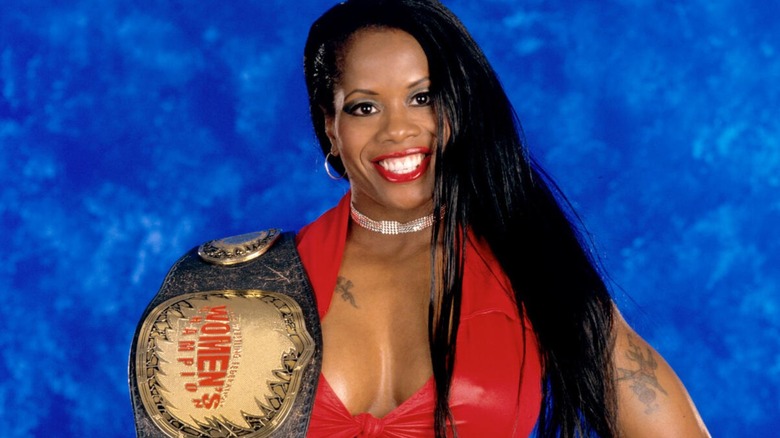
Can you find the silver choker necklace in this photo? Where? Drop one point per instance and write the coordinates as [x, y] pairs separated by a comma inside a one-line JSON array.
[[390, 227]]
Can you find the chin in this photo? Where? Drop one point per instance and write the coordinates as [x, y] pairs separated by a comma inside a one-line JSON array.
[[419, 201]]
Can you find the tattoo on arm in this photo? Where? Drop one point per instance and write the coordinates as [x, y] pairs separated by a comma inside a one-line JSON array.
[[343, 287], [642, 380]]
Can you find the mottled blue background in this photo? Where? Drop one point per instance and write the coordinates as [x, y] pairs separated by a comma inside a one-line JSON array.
[[132, 131]]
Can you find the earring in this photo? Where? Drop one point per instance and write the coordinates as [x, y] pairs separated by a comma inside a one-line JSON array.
[[327, 169]]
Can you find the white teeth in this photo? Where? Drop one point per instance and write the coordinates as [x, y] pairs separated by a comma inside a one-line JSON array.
[[402, 165]]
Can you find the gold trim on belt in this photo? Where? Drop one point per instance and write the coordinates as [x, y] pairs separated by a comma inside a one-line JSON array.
[[222, 363]]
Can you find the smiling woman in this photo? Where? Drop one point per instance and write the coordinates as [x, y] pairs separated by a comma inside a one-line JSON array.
[[504, 275], [466, 304], [384, 128]]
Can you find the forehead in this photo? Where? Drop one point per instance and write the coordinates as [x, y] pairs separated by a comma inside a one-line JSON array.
[[376, 53]]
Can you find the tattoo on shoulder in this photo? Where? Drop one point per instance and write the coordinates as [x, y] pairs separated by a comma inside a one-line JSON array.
[[642, 380], [343, 287]]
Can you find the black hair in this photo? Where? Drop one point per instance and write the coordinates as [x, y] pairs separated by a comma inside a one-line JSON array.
[[486, 182]]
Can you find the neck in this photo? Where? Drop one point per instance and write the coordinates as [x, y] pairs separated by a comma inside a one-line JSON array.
[[390, 227]]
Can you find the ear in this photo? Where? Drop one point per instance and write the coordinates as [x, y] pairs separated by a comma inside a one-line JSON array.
[[330, 131]]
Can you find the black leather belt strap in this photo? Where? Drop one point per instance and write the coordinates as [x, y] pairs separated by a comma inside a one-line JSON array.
[[229, 349]]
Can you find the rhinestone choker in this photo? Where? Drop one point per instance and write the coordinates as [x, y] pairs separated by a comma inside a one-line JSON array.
[[390, 227]]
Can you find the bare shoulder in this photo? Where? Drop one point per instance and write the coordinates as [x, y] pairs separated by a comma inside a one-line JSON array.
[[652, 401]]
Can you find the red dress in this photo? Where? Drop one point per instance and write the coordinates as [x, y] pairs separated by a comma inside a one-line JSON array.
[[488, 397]]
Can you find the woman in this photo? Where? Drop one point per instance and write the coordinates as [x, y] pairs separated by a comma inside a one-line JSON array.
[[454, 293]]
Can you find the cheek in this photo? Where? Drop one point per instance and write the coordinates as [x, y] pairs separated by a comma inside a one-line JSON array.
[[352, 134], [446, 130], [431, 123], [347, 142]]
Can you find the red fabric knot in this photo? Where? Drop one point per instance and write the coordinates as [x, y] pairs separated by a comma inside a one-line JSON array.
[[371, 426]]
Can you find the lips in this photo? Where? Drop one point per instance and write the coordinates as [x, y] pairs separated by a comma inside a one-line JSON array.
[[403, 166]]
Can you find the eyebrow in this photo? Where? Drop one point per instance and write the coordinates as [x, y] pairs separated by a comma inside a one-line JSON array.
[[374, 93]]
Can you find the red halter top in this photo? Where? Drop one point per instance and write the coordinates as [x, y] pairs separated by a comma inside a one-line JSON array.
[[496, 388]]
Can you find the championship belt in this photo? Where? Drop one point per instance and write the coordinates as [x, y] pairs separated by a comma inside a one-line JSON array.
[[231, 344]]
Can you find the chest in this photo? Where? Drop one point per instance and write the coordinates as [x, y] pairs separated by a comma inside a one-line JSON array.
[[375, 339]]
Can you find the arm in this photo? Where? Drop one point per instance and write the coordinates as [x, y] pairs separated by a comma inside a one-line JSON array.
[[652, 401]]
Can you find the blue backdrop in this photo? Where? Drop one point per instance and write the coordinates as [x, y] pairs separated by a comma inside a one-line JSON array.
[[132, 131]]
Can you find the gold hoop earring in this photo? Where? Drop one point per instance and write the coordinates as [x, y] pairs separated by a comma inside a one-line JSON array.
[[327, 169]]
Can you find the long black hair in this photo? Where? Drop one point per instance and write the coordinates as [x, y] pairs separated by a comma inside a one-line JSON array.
[[487, 183]]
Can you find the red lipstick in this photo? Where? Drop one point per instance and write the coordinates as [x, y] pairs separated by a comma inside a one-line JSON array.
[[403, 177]]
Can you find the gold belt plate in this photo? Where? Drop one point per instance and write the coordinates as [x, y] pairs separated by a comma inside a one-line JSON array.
[[222, 363]]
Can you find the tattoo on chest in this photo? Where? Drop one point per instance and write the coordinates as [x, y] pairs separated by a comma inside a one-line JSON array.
[[344, 287], [642, 380]]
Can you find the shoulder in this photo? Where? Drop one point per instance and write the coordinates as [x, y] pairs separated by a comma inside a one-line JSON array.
[[652, 400], [234, 262], [332, 222]]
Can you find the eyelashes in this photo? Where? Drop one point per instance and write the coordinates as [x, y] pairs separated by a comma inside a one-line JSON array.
[[363, 108], [360, 109]]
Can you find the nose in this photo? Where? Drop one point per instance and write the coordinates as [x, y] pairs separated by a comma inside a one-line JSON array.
[[399, 125]]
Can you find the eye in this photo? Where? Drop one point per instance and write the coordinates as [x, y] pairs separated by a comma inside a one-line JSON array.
[[422, 99], [361, 109]]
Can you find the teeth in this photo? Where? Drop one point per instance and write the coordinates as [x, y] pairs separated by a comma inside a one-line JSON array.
[[402, 165]]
